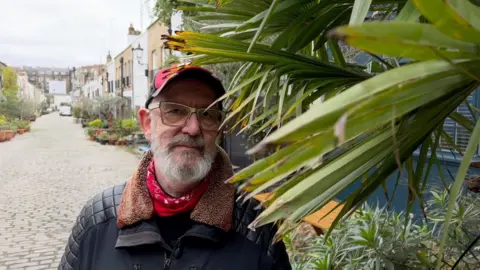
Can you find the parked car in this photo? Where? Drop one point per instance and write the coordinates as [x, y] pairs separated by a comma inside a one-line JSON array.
[[65, 109]]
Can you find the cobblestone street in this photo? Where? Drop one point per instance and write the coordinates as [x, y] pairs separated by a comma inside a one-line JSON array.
[[46, 176]]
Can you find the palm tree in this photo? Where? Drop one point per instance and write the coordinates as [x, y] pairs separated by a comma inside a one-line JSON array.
[[296, 84]]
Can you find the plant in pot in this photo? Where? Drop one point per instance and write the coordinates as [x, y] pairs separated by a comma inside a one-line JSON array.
[[91, 134], [3, 123], [22, 125], [122, 141], [112, 139], [77, 113], [103, 138], [10, 131]]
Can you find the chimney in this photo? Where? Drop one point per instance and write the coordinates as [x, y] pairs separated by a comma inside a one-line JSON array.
[[132, 34]]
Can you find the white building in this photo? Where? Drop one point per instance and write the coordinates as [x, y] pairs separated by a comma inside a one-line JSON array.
[[57, 87], [140, 70], [28, 91], [93, 88], [110, 76]]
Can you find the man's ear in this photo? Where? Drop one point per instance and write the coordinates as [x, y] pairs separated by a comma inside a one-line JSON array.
[[145, 123]]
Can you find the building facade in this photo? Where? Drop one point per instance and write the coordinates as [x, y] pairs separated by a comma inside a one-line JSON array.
[[40, 77], [140, 71], [157, 53]]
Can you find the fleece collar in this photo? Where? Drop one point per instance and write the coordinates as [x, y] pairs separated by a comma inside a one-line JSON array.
[[215, 207]]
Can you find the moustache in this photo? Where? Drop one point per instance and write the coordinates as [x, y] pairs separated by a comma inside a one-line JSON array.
[[185, 140]]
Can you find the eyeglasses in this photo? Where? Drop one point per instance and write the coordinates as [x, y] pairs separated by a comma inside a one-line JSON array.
[[177, 115]]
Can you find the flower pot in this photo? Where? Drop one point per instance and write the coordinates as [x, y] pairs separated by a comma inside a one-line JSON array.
[[3, 136], [121, 142], [103, 142], [9, 134], [92, 138], [112, 142], [21, 131]]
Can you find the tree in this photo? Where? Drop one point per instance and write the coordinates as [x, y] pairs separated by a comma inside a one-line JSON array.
[[295, 81], [10, 85]]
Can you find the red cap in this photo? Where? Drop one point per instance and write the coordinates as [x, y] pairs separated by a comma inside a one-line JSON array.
[[167, 75]]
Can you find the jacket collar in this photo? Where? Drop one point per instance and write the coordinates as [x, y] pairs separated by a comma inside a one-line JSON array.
[[215, 207]]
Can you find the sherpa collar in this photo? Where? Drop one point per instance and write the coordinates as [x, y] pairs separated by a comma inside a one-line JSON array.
[[215, 207]]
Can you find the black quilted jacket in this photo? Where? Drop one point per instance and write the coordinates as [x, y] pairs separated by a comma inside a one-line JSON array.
[[97, 243]]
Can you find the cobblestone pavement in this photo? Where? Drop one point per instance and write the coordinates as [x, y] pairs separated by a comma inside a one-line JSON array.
[[46, 176]]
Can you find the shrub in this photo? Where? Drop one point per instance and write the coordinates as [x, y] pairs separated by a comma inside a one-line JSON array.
[[97, 123], [91, 132], [3, 119], [22, 124], [77, 112]]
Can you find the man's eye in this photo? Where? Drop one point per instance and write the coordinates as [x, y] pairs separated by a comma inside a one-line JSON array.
[[173, 111]]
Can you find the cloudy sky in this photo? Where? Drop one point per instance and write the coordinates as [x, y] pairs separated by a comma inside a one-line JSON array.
[[66, 33]]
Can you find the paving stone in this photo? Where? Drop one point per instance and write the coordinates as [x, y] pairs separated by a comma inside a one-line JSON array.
[[47, 175]]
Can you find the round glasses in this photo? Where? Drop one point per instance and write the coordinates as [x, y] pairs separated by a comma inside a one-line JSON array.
[[177, 115]]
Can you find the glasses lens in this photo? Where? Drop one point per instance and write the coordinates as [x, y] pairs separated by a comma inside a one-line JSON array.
[[210, 119], [174, 114]]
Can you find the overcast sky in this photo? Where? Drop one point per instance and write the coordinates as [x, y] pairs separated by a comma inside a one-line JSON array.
[[66, 33]]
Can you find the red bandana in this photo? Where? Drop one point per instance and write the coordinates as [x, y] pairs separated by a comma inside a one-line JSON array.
[[164, 204]]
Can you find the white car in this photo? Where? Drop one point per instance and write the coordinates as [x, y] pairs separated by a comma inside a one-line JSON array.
[[65, 109]]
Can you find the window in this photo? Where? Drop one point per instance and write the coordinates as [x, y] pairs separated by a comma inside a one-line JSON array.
[[458, 133], [165, 53], [154, 60]]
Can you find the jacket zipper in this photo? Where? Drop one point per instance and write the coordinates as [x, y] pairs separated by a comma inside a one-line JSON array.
[[166, 264], [168, 258]]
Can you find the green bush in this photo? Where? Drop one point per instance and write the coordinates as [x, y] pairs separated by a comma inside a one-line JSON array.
[[3, 119], [128, 124], [22, 124], [77, 112], [97, 123]]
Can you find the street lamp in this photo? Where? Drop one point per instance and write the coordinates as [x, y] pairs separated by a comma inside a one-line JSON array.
[[138, 52]]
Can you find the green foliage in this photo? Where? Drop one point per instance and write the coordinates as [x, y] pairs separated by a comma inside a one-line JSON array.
[[369, 239], [9, 83], [103, 136], [91, 131], [3, 119], [77, 112], [22, 124], [375, 238], [97, 123], [297, 83], [164, 9], [464, 226]]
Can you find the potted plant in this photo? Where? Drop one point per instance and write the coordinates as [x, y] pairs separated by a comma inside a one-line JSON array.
[[12, 129], [22, 126], [77, 113], [112, 139], [103, 138], [122, 141], [91, 134], [3, 122]]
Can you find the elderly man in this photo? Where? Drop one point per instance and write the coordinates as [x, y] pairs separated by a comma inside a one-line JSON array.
[[176, 212]]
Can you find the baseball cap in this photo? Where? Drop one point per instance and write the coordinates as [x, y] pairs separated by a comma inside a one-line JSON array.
[[167, 75]]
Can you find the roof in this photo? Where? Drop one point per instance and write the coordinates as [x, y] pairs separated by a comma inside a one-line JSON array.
[[129, 46], [2, 64], [156, 21]]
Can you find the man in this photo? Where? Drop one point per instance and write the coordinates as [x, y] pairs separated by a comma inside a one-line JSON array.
[[176, 212]]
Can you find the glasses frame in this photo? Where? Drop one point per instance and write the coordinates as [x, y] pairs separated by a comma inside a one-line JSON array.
[[192, 110]]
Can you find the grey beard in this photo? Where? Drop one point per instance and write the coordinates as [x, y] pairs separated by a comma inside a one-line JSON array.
[[174, 170]]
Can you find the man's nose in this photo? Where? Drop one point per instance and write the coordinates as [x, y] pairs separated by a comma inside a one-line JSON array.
[[192, 127]]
